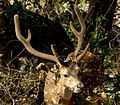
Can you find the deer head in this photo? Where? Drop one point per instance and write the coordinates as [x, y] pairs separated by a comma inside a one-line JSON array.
[[59, 85]]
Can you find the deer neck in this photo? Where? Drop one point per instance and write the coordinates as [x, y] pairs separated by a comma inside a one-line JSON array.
[[67, 94], [64, 92]]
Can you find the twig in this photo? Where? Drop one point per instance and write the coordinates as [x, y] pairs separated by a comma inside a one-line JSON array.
[[112, 40], [7, 91], [2, 102], [16, 56], [104, 15]]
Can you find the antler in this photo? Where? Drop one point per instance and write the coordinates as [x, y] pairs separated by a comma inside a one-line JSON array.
[[26, 42], [79, 35]]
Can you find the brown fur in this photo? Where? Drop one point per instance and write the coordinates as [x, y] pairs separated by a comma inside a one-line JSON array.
[[92, 77]]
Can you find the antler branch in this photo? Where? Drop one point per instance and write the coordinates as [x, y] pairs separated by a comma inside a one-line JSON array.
[[80, 34], [26, 42], [83, 53]]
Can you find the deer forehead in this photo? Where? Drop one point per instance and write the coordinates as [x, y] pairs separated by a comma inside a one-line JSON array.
[[71, 70]]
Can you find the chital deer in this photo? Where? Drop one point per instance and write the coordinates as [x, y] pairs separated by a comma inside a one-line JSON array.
[[79, 72]]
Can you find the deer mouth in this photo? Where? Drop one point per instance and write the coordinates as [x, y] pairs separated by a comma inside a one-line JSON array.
[[76, 90]]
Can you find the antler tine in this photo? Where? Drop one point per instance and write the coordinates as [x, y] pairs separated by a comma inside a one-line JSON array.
[[80, 34], [83, 53], [26, 42], [55, 54]]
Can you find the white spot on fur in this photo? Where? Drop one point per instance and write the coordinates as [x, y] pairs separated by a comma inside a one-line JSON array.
[[54, 78], [45, 92], [54, 101]]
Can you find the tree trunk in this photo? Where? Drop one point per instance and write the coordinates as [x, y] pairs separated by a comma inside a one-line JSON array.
[[99, 22]]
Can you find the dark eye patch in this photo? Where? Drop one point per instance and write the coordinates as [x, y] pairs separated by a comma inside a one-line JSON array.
[[66, 75]]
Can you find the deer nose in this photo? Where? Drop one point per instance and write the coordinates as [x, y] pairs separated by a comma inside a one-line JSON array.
[[80, 86]]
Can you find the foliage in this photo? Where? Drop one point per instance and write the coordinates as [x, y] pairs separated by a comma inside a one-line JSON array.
[[23, 86], [112, 87], [26, 84]]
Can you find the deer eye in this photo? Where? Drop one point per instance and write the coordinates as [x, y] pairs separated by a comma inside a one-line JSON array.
[[66, 75]]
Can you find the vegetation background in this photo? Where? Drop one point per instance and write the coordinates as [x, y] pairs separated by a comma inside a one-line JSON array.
[[23, 84]]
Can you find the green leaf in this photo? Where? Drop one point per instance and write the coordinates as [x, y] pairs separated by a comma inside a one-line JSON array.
[[1, 75]]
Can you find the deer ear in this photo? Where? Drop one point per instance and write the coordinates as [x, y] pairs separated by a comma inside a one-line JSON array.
[[51, 67]]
